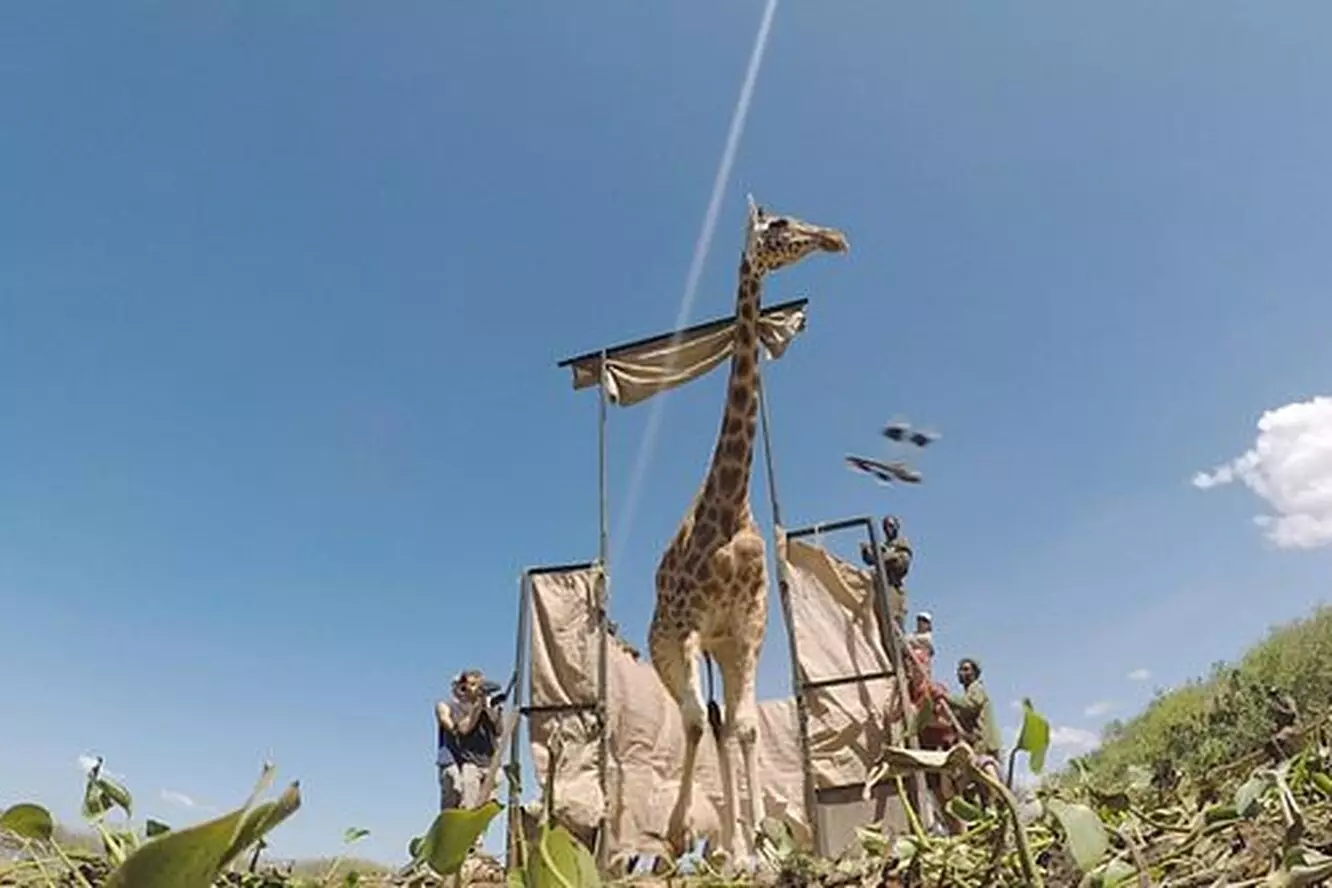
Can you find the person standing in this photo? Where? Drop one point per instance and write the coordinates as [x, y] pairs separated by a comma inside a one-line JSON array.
[[468, 728], [923, 638], [896, 554], [975, 714]]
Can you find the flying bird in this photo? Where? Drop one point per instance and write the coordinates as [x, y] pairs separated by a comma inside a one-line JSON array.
[[885, 472], [902, 431]]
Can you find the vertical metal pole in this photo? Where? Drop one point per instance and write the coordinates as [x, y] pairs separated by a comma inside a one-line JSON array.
[[519, 668], [892, 643], [784, 593], [603, 609]]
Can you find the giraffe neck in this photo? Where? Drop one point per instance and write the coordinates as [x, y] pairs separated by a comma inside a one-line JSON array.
[[733, 458]]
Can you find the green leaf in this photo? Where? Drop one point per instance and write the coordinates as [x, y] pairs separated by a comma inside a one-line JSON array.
[[964, 810], [904, 761], [354, 834], [262, 819], [116, 793], [572, 862], [193, 857], [414, 846], [28, 821], [1248, 796], [95, 801], [514, 879], [1322, 783], [873, 841], [1220, 814], [1087, 838], [1034, 739], [445, 846], [187, 858], [155, 828], [905, 849]]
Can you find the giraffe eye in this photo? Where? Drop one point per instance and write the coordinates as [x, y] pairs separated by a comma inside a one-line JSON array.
[[778, 224]]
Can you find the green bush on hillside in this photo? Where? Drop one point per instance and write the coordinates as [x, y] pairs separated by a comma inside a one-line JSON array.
[[1215, 721]]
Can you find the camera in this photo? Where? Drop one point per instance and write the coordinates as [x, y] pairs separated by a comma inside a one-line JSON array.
[[494, 692]]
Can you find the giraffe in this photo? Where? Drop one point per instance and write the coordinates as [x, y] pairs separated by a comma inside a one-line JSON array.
[[712, 582]]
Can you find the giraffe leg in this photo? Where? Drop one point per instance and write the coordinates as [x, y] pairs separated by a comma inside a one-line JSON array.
[[738, 676], [676, 662], [726, 766]]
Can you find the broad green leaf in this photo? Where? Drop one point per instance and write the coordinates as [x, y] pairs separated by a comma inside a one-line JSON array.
[[572, 862], [904, 761], [1034, 738], [116, 793], [155, 828], [186, 858], [514, 879], [262, 819], [95, 800], [193, 857], [28, 821], [1251, 792], [445, 846], [354, 834], [1087, 838]]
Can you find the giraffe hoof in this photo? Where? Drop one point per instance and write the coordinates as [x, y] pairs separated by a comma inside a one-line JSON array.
[[678, 839]]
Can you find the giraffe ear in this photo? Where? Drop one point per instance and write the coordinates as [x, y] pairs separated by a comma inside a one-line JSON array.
[[755, 211]]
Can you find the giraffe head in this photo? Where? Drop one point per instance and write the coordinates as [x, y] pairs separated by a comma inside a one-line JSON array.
[[775, 241]]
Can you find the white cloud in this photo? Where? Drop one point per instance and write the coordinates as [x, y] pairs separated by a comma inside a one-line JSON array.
[[1078, 740], [1099, 708], [1290, 467], [178, 798], [1140, 675]]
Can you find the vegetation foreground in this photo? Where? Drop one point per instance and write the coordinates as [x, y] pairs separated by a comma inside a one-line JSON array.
[[1227, 781]]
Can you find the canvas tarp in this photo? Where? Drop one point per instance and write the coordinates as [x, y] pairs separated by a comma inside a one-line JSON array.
[[646, 739], [837, 634], [638, 372]]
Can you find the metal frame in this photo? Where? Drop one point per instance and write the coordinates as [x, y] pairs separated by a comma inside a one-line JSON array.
[[526, 709], [883, 613], [522, 695]]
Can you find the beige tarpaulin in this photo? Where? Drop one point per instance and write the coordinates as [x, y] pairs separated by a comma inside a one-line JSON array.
[[646, 739], [637, 373], [837, 636]]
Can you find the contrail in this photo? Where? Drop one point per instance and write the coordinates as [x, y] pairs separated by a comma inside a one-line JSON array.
[[701, 246]]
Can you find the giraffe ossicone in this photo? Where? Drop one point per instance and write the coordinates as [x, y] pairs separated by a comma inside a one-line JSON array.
[[712, 580]]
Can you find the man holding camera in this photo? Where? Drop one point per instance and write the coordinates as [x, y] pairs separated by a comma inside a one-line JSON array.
[[468, 731]]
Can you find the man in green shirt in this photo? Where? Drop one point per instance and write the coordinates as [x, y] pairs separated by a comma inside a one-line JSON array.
[[975, 713]]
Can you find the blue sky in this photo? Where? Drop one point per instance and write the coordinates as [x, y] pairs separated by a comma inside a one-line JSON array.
[[282, 287]]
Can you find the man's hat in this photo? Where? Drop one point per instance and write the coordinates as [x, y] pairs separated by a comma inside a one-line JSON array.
[[926, 616]]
